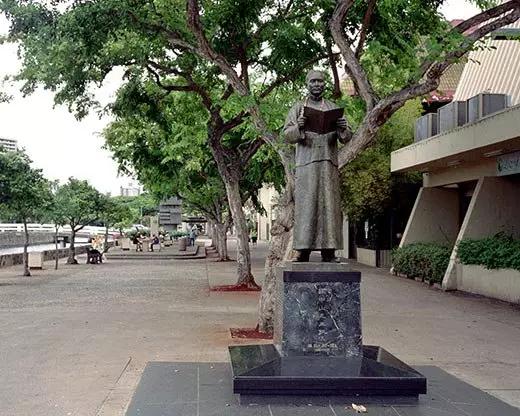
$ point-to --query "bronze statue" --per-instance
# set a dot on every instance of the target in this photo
(318, 218)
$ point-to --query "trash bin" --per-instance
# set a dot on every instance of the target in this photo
(182, 243)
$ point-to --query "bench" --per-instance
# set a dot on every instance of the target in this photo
(94, 256)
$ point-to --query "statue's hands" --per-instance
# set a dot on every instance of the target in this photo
(301, 121)
(342, 123)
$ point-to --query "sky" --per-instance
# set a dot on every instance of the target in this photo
(62, 146)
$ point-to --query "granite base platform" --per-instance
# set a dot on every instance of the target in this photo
(262, 370)
(204, 389)
(318, 348)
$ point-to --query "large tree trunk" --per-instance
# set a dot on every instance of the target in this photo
(279, 247)
(105, 247)
(210, 231)
(245, 277)
(26, 271)
(72, 249)
(221, 237)
(56, 253)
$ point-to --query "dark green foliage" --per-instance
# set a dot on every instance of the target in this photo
(424, 260)
(24, 193)
(498, 252)
(368, 189)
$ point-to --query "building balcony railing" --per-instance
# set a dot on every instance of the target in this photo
(487, 136)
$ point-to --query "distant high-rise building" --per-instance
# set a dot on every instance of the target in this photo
(8, 144)
(130, 190)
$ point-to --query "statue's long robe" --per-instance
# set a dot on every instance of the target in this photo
(318, 220)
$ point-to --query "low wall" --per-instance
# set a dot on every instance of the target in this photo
(10, 239)
(14, 259)
(502, 284)
(369, 257)
(365, 256)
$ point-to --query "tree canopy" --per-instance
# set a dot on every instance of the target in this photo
(367, 184)
(79, 204)
(24, 193)
(234, 54)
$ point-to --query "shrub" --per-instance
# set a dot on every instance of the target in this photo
(498, 252)
(424, 260)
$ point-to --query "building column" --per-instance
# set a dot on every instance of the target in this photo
(434, 217)
(493, 209)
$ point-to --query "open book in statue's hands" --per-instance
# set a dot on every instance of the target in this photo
(321, 122)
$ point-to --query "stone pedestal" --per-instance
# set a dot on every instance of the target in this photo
(319, 313)
(318, 346)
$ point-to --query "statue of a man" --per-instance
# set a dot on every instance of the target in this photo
(318, 219)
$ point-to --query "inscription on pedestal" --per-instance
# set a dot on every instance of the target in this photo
(321, 312)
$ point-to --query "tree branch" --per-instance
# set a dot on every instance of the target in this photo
(227, 93)
(207, 51)
(364, 28)
(352, 65)
(192, 85)
(168, 88)
(232, 123)
(486, 15)
(252, 148)
(512, 6)
(336, 89)
(174, 39)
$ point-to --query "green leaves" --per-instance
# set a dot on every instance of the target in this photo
(78, 203)
(499, 252)
(368, 187)
(427, 261)
(24, 192)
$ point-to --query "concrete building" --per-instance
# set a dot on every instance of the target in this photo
(8, 144)
(130, 190)
(471, 171)
(170, 214)
(267, 197)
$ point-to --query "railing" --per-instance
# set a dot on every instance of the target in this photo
(90, 229)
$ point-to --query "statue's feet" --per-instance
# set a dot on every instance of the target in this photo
(331, 260)
(329, 256)
(303, 256)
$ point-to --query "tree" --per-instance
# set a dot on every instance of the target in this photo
(150, 37)
(55, 214)
(392, 35)
(80, 205)
(367, 184)
(113, 213)
(380, 42)
(24, 192)
(402, 50)
(169, 153)
(139, 206)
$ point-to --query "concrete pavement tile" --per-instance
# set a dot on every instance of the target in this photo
(346, 410)
(509, 396)
(279, 410)
(168, 409)
(222, 409)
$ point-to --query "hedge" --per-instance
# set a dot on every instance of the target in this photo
(427, 261)
(498, 252)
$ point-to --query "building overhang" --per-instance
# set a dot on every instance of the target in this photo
(491, 136)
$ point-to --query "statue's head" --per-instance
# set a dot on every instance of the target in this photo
(316, 83)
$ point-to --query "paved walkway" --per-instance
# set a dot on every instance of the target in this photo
(75, 341)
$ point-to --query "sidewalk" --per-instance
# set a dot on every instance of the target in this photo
(75, 341)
